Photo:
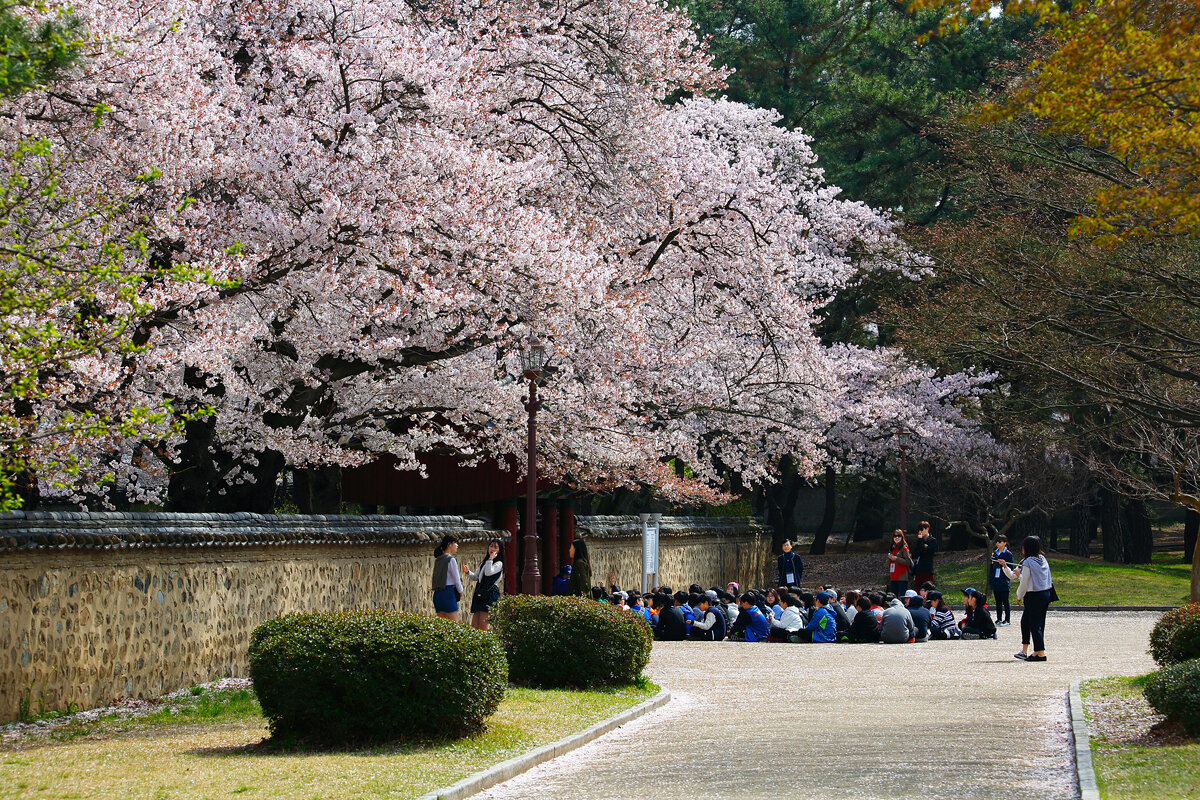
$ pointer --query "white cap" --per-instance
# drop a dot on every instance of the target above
(911, 593)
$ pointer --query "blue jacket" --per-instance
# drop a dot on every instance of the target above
(997, 580)
(823, 625)
(757, 627)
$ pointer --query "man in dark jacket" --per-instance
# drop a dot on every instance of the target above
(922, 550)
(791, 566)
(863, 628)
(920, 614)
(672, 624)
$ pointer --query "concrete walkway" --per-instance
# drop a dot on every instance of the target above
(925, 721)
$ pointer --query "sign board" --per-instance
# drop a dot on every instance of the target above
(649, 546)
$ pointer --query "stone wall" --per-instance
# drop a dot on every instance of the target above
(710, 551)
(94, 607)
(99, 606)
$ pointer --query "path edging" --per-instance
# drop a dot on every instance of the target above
(505, 770)
(1085, 774)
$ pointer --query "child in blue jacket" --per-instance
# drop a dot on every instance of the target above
(822, 628)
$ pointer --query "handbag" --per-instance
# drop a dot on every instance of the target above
(1053, 594)
(493, 594)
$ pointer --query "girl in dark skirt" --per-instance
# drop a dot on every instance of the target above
(487, 586)
(447, 585)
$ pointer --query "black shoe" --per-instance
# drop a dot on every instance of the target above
(1035, 658)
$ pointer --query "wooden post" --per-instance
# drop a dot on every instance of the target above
(550, 534)
(508, 522)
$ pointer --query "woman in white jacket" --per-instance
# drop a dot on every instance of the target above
(1034, 592)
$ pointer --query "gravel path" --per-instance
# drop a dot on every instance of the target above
(935, 720)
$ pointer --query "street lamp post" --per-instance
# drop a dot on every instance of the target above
(533, 361)
(903, 489)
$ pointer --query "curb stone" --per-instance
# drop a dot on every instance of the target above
(1084, 773)
(505, 770)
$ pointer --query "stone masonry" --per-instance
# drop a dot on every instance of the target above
(99, 606)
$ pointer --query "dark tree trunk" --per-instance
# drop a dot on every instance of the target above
(195, 473)
(256, 496)
(1139, 533)
(319, 490)
(27, 489)
(1191, 526)
(1081, 532)
(1112, 525)
(827, 517)
(781, 500)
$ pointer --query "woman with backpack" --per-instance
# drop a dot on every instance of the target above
(447, 584)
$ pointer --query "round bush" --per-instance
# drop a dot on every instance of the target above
(374, 676)
(1174, 692)
(1175, 638)
(571, 641)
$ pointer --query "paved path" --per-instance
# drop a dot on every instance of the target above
(925, 721)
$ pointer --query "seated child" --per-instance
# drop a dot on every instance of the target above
(863, 628)
(978, 624)
(672, 626)
(789, 620)
(751, 624)
(822, 627)
(710, 622)
(941, 621)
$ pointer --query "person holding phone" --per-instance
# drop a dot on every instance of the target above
(1036, 591)
(998, 582)
(899, 564)
(487, 586)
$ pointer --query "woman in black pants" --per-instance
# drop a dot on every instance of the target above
(1034, 590)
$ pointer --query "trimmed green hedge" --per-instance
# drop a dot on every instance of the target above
(1174, 692)
(1175, 638)
(374, 676)
(571, 642)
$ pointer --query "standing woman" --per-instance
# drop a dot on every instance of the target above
(487, 586)
(899, 563)
(447, 584)
(580, 584)
(1036, 591)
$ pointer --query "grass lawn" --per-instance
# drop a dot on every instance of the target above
(210, 750)
(1089, 582)
(1135, 759)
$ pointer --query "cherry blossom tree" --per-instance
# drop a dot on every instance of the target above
(392, 195)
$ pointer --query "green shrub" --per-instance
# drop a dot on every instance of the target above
(1175, 638)
(571, 641)
(1174, 692)
(374, 676)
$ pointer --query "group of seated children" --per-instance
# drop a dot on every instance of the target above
(792, 615)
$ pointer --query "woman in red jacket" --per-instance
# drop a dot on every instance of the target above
(899, 564)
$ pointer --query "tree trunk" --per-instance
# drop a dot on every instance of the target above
(1139, 533)
(1112, 524)
(781, 504)
(1191, 526)
(193, 475)
(319, 490)
(1081, 532)
(257, 495)
(1194, 595)
(826, 526)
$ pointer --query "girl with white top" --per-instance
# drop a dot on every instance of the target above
(447, 583)
(1034, 591)
(487, 586)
